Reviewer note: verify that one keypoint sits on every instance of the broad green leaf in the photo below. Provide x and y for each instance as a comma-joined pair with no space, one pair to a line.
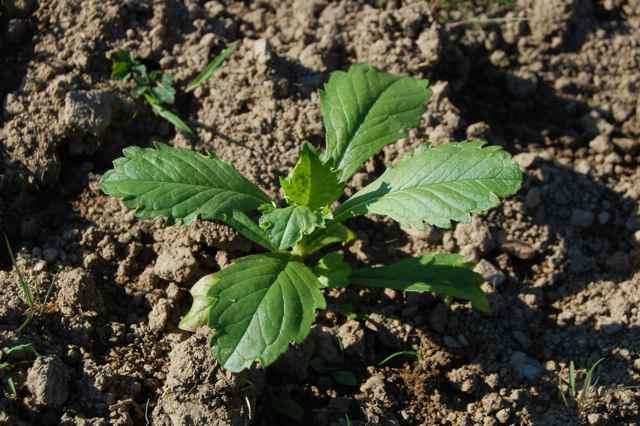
179,184
365,109
311,183
332,271
212,67
169,116
203,301
438,185
262,303
248,228
334,232
286,226
445,274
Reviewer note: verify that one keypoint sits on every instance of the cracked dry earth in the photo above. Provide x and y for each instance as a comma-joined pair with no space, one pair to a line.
556,82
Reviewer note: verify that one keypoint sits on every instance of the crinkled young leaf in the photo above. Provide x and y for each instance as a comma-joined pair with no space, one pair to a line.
334,232
365,109
248,228
212,67
441,273
179,184
203,301
286,226
332,270
311,182
438,185
262,303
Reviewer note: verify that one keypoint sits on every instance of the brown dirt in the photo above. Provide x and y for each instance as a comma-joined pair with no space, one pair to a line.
554,81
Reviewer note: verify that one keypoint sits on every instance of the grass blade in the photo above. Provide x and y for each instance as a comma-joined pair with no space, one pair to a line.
24,286
397,354
212,67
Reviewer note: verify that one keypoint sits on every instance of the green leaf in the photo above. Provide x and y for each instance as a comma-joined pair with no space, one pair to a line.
445,274
438,185
332,270
179,184
311,183
263,302
198,314
365,109
168,115
121,64
164,91
334,232
248,229
288,408
212,67
286,226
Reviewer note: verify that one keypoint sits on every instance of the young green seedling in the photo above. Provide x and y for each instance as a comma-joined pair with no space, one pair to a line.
156,88
263,302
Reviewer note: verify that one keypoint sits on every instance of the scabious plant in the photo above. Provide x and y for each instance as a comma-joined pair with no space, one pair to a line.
261,303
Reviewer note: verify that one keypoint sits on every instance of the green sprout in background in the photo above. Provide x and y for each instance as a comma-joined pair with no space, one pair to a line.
157,88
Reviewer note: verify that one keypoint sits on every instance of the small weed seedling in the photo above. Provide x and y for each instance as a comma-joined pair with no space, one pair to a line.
7,363
33,308
156,88
262,302
580,397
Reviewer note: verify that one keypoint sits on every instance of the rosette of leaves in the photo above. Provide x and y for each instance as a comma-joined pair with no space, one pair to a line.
261,303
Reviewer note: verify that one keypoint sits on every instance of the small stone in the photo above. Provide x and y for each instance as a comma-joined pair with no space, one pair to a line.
490,273
47,380
262,50
88,111
601,144
627,144
475,234
176,264
159,315
581,218
582,167
352,338
479,130
503,415
518,249
594,418
526,159
173,291
77,293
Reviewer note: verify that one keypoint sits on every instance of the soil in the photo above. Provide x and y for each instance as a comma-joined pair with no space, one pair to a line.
556,82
